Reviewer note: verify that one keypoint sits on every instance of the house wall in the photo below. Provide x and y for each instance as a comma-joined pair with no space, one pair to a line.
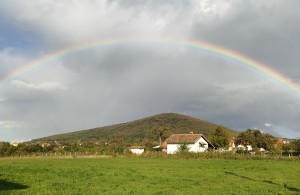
173,148
137,151
196,147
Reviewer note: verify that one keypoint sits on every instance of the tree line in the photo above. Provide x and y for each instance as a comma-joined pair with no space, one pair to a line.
219,138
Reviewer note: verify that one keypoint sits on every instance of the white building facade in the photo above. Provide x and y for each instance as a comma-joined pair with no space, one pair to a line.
193,142
137,149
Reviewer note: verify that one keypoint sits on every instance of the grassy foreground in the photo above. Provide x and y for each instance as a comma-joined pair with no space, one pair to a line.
134,175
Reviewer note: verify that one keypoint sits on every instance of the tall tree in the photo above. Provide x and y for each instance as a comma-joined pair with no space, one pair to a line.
220,138
159,132
296,144
288,148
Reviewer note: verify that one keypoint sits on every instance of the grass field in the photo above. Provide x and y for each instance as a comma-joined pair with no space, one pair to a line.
133,175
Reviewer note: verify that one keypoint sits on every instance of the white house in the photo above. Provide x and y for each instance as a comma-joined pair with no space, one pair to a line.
194,142
249,147
137,149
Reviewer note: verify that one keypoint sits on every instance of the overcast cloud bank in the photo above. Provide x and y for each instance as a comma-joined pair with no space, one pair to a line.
119,83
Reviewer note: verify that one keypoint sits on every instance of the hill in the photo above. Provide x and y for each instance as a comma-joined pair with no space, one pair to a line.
138,130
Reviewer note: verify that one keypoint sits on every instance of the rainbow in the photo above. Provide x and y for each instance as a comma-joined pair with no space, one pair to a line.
193,44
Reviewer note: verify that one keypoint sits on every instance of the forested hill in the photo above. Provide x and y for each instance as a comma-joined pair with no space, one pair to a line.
138,130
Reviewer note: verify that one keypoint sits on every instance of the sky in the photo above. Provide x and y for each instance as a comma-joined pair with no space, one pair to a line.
128,80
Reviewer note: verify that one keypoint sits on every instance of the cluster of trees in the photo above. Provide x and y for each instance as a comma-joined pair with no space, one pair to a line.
8,150
257,139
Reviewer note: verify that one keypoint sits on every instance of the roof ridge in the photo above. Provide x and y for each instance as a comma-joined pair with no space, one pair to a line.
183,138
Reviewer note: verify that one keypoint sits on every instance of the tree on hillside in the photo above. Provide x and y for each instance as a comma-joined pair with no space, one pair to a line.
220,137
159,132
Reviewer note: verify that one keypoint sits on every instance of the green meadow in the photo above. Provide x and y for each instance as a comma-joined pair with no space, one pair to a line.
138,175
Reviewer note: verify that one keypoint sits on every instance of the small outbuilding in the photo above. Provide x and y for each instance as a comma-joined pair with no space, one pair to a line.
137,149
193,142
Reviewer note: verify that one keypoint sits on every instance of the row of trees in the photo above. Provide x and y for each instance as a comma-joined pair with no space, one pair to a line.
115,146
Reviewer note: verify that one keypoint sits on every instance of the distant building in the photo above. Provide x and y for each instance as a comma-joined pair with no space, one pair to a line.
241,147
15,144
137,149
262,150
286,141
282,141
194,143
43,144
247,147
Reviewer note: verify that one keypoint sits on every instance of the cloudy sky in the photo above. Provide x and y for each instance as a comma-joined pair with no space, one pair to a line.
125,81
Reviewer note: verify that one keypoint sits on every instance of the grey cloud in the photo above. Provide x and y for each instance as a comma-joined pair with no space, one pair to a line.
263,31
122,82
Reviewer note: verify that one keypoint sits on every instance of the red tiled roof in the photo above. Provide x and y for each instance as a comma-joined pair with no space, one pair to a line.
183,138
